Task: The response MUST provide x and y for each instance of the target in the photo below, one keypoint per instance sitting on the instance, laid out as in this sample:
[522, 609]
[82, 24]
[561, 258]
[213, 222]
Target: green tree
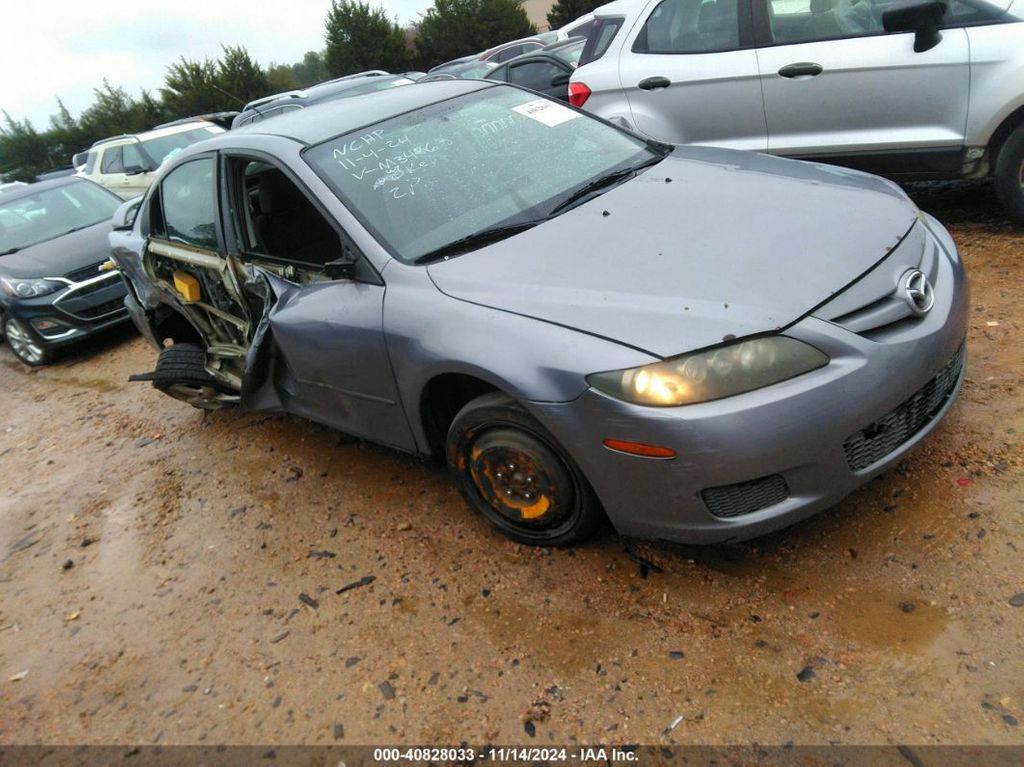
[190, 88]
[281, 78]
[565, 11]
[311, 70]
[239, 75]
[360, 37]
[24, 152]
[454, 28]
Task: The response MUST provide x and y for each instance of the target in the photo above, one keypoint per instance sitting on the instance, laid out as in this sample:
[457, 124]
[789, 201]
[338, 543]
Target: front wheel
[1009, 176]
[512, 470]
[181, 373]
[24, 345]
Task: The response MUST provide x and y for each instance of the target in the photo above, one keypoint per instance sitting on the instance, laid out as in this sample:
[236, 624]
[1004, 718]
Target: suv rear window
[600, 36]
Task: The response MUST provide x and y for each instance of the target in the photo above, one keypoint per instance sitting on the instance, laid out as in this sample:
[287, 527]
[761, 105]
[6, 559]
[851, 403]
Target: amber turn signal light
[639, 448]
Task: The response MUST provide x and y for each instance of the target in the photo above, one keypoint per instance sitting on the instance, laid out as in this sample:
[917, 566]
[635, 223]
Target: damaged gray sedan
[696, 344]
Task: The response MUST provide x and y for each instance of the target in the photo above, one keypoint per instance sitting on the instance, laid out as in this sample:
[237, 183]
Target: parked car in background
[125, 164]
[223, 119]
[510, 50]
[704, 344]
[581, 27]
[467, 70]
[545, 71]
[908, 90]
[53, 243]
[10, 186]
[343, 87]
[56, 173]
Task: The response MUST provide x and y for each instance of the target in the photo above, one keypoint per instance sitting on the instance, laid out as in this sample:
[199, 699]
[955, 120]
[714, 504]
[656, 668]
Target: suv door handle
[653, 83]
[803, 69]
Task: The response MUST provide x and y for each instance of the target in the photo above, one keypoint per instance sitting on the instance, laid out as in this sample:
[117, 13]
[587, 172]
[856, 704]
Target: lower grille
[746, 497]
[874, 442]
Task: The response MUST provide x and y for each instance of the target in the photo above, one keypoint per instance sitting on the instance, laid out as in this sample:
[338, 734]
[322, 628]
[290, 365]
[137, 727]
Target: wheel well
[1014, 119]
[442, 399]
[178, 329]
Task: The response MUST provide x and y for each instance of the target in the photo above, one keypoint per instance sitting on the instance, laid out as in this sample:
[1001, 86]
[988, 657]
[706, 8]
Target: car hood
[57, 257]
[706, 245]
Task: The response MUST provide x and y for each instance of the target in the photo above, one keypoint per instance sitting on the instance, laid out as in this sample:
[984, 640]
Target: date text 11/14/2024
[530, 754]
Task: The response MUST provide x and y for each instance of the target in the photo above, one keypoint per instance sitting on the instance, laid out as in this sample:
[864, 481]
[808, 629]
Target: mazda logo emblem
[917, 292]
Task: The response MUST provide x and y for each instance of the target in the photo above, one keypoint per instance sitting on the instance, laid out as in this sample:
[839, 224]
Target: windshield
[499, 156]
[46, 215]
[160, 149]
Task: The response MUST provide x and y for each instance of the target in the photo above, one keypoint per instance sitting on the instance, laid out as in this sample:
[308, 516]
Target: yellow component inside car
[187, 287]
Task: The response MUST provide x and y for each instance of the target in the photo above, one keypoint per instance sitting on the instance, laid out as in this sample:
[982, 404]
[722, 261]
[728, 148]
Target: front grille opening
[727, 501]
[86, 272]
[877, 440]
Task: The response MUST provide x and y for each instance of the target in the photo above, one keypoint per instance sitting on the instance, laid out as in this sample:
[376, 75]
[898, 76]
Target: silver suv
[917, 89]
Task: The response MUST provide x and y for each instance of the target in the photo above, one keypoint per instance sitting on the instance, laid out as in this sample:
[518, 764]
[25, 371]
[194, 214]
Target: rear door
[689, 71]
[837, 87]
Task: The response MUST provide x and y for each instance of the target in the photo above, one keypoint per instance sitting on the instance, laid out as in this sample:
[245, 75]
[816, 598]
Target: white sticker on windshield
[547, 112]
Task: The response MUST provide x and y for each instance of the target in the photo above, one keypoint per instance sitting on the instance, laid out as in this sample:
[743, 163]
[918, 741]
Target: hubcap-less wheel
[521, 479]
[23, 344]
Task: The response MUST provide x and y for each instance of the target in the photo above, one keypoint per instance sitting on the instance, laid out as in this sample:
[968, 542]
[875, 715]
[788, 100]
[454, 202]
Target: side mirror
[559, 81]
[124, 216]
[924, 17]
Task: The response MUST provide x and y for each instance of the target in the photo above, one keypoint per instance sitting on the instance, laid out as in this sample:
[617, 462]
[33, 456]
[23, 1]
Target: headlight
[28, 288]
[712, 374]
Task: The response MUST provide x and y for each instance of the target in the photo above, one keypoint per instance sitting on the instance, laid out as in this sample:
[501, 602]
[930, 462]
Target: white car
[126, 164]
[905, 89]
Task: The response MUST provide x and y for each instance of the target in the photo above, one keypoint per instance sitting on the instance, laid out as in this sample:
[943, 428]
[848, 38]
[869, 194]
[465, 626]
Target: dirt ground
[170, 577]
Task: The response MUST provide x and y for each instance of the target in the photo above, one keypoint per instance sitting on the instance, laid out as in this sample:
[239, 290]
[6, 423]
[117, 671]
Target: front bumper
[75, 313]
[791, 449]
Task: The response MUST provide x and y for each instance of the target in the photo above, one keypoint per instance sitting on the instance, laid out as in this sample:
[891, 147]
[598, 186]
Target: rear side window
[113, 160]
[690, 26]
[535, 75]
[599, 38]
[189, 196]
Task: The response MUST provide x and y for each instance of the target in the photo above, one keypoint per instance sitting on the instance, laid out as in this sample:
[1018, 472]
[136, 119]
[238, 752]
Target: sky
[65, 48]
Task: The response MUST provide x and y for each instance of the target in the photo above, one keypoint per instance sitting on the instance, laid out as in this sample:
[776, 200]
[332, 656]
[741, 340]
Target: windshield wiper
[601, 182]
[477, 239]
[9, 251]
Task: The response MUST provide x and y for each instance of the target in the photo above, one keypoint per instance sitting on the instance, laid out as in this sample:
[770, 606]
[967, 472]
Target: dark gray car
[55, 287]
[701, 344]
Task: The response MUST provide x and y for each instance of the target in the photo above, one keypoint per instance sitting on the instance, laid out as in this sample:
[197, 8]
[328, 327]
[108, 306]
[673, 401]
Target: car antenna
[229, 95]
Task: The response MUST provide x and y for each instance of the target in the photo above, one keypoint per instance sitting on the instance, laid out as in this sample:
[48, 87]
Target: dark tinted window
[113, 161]
[189, 197]
[690, 26]
[536, 75]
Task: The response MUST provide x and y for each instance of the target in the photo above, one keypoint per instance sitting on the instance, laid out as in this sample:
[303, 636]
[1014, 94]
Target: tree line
[357, 37]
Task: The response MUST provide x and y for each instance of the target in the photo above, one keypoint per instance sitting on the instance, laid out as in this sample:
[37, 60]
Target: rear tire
[1009, 176]
[181, 373]
[24, 345]
[512, 470]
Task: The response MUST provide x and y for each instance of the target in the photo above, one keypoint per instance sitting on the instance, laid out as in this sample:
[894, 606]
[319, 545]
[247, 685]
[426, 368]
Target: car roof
[41, 186]
[319, 122]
